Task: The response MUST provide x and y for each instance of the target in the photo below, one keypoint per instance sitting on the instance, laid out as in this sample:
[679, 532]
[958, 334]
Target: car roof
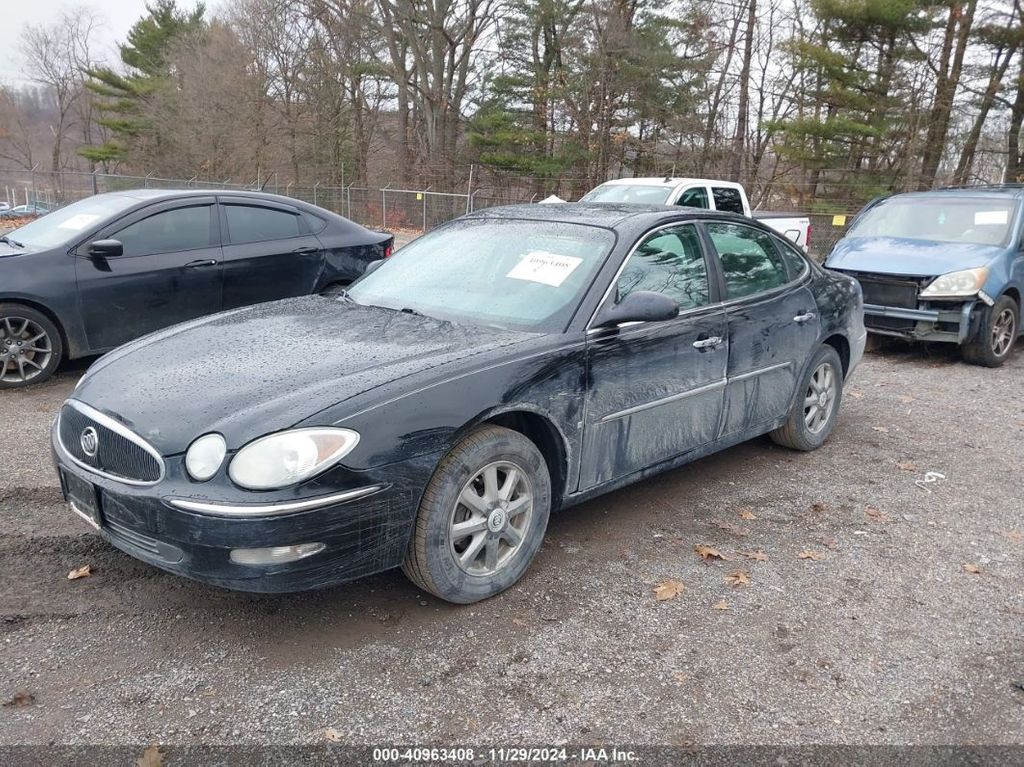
[980, 190]
[604, 214]
[168, 194]
[666, 181]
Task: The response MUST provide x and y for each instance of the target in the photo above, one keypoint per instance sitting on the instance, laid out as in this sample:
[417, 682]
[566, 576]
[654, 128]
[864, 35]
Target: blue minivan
[946, 266]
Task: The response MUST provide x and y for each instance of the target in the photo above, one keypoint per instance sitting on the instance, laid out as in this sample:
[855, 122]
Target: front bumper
[949, 324]
[364, 527]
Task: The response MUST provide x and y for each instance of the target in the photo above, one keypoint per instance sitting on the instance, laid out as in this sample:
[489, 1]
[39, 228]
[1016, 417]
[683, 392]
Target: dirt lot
[879, 634]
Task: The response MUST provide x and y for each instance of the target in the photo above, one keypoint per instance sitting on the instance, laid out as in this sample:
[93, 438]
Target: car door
[773, 325]
[169, 271]
[269, 252]
[655, 389]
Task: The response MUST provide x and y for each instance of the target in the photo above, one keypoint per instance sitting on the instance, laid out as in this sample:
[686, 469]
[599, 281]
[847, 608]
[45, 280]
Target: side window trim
[751, 297]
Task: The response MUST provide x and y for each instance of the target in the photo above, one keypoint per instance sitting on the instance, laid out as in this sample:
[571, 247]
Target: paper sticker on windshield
[983, 217]
[545, 268]
[79, 221]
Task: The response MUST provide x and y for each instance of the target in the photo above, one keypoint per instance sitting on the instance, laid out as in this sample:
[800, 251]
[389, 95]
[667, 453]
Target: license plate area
[83, 498]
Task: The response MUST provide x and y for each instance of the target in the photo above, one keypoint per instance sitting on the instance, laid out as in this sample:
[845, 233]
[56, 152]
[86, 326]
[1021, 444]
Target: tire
[334, 289]
[441, 561]
[810, 424]
[31, 347]
[997, 334]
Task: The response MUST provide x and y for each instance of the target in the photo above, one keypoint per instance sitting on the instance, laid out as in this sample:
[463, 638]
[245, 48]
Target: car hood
[917, 258]
[263, 368]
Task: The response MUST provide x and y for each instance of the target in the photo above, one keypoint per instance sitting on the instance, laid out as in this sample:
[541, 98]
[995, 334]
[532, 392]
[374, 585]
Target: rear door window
[750, 262]
[251, 223]
[728, 199]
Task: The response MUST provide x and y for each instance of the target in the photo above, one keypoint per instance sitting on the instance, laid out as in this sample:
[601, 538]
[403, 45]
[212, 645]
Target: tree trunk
[739, 142]
[963, 167]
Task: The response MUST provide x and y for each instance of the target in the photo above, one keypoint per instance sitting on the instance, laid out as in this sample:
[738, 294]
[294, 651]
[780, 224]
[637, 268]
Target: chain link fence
[395, 209]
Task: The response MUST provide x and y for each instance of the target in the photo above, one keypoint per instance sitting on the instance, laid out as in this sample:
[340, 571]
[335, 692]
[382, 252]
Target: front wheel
[30, 346]
[996, 335]
[814, 413]
[482, 518]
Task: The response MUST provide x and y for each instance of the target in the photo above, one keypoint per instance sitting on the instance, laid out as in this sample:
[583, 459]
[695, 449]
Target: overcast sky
[117, 15]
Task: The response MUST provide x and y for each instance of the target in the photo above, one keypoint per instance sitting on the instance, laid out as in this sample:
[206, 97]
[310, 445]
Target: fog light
[275, 555]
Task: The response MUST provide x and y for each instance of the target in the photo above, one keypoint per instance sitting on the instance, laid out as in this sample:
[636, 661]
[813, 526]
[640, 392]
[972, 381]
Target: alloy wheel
[820, 398]
[490, 518]
[25, 349]
[1004, 330]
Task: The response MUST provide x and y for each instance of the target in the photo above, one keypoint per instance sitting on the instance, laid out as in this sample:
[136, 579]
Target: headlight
[289, 457]
[957, 284]
[205, 456]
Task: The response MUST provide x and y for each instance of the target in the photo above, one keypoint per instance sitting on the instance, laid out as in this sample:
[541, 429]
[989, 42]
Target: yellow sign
[419, 195]
[839, 220]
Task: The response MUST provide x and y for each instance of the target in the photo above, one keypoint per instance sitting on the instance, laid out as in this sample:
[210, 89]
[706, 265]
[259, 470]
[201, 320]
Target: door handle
[802, 318]
[708, 343]
[305, 250]
[201, 263]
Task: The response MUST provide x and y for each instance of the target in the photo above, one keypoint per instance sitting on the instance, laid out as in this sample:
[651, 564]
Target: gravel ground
[879, 635]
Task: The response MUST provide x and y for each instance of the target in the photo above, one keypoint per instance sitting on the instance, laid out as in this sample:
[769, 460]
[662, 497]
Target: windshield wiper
[9, 241]
[407, 310]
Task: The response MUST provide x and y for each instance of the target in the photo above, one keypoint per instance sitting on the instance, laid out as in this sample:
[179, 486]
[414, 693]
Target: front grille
[888, 291]
[888, 323]
[119, 453]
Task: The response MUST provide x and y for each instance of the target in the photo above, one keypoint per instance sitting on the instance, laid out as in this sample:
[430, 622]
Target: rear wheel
[997, 334]
[482, 518]
[816, 408]
[30, 346]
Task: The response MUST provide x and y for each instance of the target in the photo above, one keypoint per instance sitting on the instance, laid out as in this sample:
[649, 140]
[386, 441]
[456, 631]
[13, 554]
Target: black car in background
[512, 362]
[103, 271]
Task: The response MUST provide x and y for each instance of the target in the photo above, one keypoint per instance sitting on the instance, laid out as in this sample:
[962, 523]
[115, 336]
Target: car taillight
[388, 250]
[808, 244]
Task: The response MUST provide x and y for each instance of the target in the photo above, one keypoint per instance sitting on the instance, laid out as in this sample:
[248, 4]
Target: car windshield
[524, 275]
[980, 221]
[632, 193]
[70, 222]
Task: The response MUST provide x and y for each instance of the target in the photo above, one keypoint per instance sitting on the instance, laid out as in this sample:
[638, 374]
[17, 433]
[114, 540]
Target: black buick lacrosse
[510, 363]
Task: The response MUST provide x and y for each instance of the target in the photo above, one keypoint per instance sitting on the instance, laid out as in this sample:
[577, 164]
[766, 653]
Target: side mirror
[106, 248]
[373, 266]
[641, 306]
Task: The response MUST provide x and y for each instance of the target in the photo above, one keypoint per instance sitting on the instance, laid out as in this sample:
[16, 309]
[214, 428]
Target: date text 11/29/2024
[552, 754]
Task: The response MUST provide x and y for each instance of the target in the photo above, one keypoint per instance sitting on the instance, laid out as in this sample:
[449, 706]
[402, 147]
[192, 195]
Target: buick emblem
[90, 441]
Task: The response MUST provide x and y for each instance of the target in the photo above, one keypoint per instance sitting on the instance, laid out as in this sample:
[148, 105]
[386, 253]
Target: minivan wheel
[814, 413]
[997, 333]
[30, 346]
[482, 518]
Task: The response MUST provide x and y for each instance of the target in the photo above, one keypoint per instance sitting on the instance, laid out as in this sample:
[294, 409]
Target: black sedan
[95, 274]
[510, 363]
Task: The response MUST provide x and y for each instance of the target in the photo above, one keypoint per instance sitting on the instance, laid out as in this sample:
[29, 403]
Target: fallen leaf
[720, 605]
[1014, 535]
[906, 466]
[883, 429]
[332, 735]
[855, 393]
[876, 514]
[80, 572]
[21, 699]
[747, 513]
[709, 552]
[738, 578]
[680, 677]
[818, 507]
[816, 556]
[970, 567]
[667, 590]
[905, 398]
[730, 527]
[151, 757]
[829, 541]
[757, 556]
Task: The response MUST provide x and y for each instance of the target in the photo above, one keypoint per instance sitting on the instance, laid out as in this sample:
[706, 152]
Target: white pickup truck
[699, 193]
